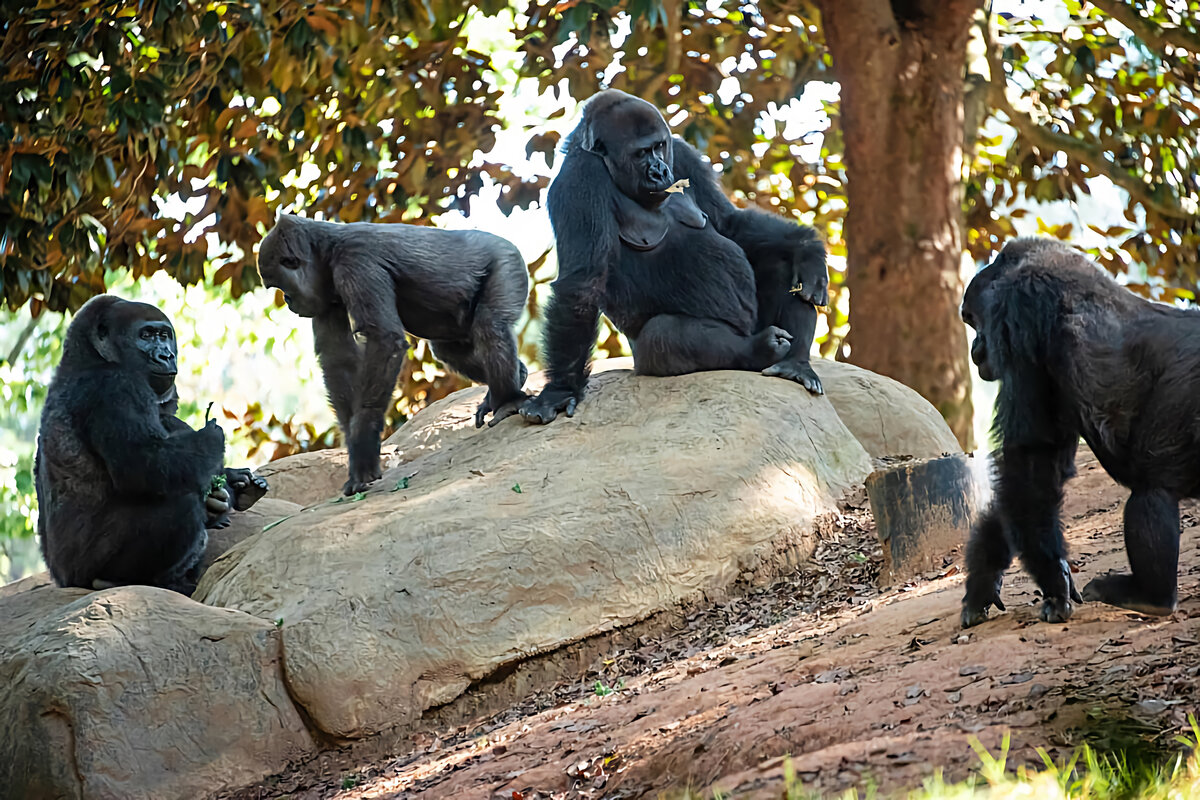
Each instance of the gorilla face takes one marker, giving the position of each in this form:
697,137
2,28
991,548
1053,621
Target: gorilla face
635,143
285,262
154,340
137,336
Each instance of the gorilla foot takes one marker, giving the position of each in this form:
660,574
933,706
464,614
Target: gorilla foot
982,593
1056,609
769,345
799,371
1120,590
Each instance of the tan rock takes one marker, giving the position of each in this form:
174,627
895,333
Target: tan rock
887,417
519,539
138,692
243,524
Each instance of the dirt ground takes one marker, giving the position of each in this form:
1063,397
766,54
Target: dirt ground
853,684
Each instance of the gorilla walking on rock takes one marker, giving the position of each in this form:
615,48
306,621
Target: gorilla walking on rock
462,290
694,282
125,488
1076,355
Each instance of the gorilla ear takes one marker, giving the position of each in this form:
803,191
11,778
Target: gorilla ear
589,142
102,339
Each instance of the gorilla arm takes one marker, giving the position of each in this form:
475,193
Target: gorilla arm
141,454
361,385
580,203
761,236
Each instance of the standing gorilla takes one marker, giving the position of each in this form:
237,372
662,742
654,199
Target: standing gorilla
1078,355
694,282
125,489
462,290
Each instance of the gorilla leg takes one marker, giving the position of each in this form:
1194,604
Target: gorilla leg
157,544
777,306
468,359
1024,517
1030,494
677,345
1152,543
489,355
989,552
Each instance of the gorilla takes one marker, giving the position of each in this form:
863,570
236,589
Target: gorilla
1077,355
462,290
126,489
694,282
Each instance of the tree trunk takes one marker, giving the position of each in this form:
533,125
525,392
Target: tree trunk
900,64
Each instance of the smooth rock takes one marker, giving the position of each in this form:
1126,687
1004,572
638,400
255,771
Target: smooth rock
482,547
138,693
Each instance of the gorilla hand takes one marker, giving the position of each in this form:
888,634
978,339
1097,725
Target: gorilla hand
364,455
247,487
216,508
545,407
981,595
810,278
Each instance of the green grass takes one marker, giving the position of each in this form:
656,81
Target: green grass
1090,774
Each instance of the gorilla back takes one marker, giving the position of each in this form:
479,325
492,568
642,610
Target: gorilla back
1078,355
121,483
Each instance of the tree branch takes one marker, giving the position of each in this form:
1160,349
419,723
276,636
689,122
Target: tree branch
1151,34
1046,138
22,339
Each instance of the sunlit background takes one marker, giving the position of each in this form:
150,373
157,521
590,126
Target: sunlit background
238,353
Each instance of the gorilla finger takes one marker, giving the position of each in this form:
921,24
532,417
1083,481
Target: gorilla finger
999,604
219,493
504,412
215,506
571,403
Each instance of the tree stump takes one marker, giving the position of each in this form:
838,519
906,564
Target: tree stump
923,509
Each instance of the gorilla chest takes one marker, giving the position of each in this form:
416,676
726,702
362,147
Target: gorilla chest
691,271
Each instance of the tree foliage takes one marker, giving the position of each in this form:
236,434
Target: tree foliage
160,134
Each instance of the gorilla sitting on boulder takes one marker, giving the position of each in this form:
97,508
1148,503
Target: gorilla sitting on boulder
125,488
646,236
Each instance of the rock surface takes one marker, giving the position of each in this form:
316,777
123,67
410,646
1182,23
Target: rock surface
243,524
137,692
482,547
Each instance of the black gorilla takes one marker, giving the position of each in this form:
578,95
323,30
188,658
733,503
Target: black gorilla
462,290
125,489
694,282
1078,355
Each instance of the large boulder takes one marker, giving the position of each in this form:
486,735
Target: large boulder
137,692
482,547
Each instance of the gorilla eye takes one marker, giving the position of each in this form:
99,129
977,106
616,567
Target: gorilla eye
290,262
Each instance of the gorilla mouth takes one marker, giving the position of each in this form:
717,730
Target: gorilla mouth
162,381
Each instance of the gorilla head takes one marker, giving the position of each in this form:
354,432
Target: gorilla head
286,261
134,336
977,301
634,141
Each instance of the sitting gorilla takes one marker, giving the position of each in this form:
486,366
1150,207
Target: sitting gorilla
694,282
125,488
1077,355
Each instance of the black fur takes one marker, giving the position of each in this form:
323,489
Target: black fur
710,290
1078,355
462,290
123,485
